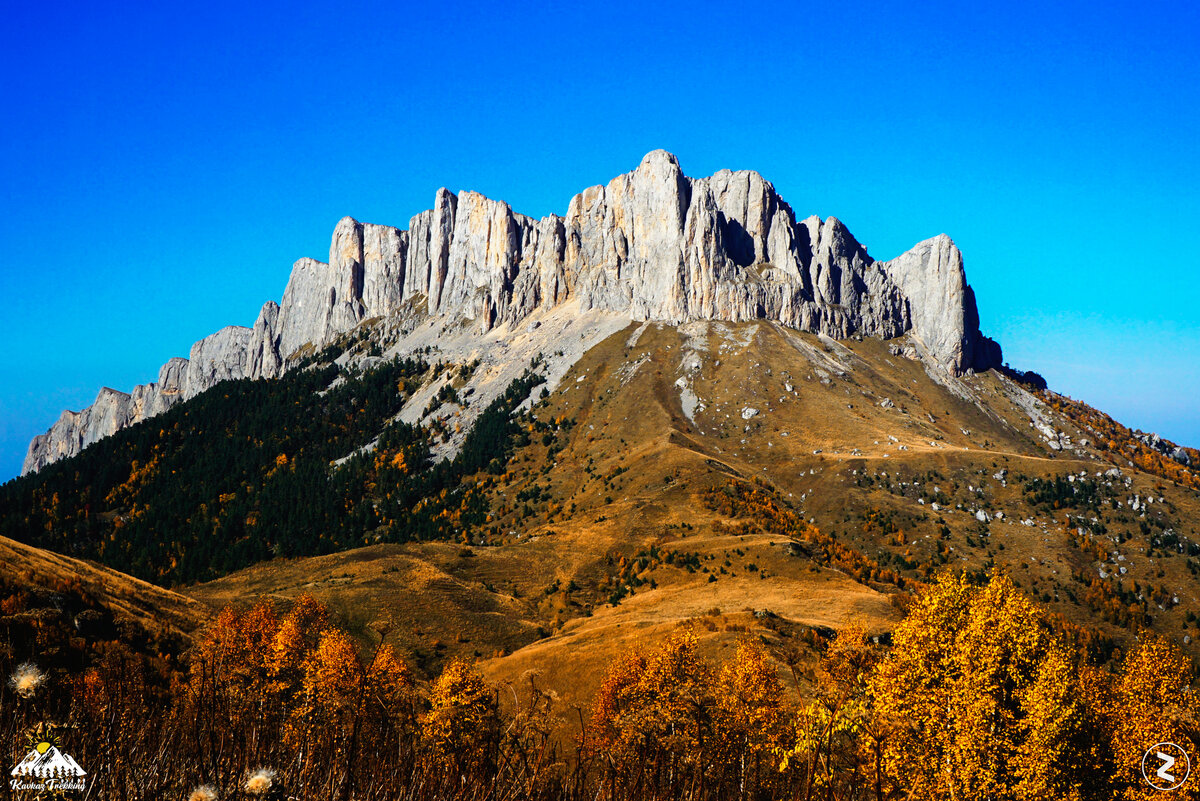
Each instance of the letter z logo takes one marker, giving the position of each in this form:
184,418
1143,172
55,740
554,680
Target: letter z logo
1165,766
1168,762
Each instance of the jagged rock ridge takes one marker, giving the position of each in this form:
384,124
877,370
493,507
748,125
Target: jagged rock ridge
653,245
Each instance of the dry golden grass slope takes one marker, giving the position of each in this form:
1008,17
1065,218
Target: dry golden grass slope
153,608
608,527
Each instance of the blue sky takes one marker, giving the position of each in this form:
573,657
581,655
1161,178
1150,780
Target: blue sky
164,165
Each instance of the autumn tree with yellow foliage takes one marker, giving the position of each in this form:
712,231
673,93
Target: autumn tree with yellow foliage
984,700
978,696
751,717
654,718
669,722
461,726
837,749
1151,701
264,687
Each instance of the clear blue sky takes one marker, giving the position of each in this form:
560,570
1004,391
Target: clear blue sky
164,165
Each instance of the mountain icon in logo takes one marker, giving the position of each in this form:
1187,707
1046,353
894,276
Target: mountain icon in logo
45,761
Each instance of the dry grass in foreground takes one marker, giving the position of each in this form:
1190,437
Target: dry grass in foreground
978,697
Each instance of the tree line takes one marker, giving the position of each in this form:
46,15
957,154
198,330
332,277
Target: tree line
312,462
977,696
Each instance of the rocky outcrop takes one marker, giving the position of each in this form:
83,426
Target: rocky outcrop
223,355
652,244
263,358
1165,447
216,358
945,319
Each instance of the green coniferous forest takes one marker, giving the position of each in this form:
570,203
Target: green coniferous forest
253,469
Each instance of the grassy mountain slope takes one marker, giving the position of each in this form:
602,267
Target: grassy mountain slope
67,617
50,577
757,480
746,477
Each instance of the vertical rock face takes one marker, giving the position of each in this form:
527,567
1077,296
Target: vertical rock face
74,431
264,361
307,302
652,244
483,257
429,249
218,357
384,253
944,315
110,412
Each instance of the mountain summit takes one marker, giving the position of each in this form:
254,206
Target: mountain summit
652,244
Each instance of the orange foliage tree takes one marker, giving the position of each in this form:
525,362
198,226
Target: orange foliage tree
293,689
1150,701
668,721
462,725
983,700
837,749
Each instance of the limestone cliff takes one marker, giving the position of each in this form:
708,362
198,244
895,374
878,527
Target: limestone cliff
652,244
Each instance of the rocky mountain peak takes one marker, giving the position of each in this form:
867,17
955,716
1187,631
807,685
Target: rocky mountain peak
651,244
